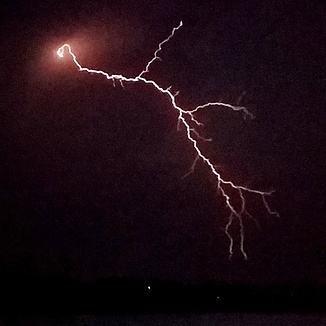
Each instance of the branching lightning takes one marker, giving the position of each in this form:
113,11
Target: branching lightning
188,119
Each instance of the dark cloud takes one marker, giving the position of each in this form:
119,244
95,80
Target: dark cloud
92,175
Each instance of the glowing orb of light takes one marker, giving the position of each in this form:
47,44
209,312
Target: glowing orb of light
60,52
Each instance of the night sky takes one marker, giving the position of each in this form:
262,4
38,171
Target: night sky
91,174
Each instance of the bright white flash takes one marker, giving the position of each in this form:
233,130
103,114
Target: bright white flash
188,119
60,51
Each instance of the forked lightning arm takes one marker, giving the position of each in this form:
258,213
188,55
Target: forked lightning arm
188,119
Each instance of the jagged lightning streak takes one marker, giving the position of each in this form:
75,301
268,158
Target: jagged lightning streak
189,121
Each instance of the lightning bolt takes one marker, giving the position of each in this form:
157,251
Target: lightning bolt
188,119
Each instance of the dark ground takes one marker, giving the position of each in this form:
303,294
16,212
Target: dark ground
62,296
220,319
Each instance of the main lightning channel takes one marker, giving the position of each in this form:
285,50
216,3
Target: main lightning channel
187,118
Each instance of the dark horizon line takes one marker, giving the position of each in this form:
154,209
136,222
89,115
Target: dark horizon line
63,295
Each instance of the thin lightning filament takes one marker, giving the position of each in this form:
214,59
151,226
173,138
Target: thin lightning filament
188,119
